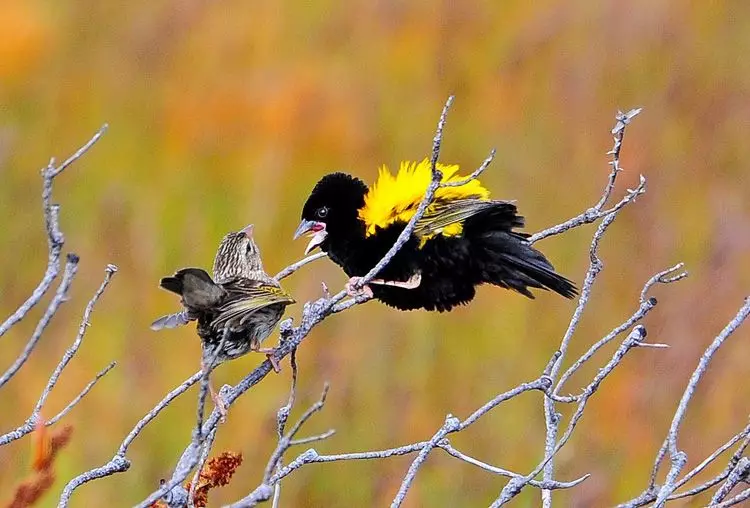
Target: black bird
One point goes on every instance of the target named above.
(463, 240)
(240, 299)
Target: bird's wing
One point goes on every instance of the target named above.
(172, 320)
(246, 297)
(443, 214)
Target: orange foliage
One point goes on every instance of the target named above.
(45, 447)
(217, 472)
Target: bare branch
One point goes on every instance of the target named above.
(597, 211)
(119, 462)
(646, 305)
(445, 445)
(82, 393)
(476, 174)
(738, 474)
(289, 270)
(739, 498)
(55, 238)
(207, 445)
(61, 295)
(32, 421)
(452, 424)
(73, 349)
(551, 417)
(744, 436)
(678, 457)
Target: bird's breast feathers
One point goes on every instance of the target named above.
(395, 198)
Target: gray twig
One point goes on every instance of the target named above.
(55, 241)
(61, 295)
(679, 458)
(270, 487)
(120, 462)
(55, 238)
(597, 211)
(738, 474)
(286, 272)
(661, 494)
(551, 417)
(205, 450)
(744, 436)
(646, 305)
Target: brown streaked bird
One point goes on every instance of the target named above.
(240, 300)
(463, 240)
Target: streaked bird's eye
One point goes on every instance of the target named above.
(322, 212)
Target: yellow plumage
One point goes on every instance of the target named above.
(396, 198)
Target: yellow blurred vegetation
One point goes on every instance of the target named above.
(226, 113)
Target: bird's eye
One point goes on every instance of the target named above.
(249, 247)
(322, 212)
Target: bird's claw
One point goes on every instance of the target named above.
(274, 363)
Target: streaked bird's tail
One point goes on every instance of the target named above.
(171, 321)
(198, 293)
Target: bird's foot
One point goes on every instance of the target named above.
(355, 292)
(270, 353)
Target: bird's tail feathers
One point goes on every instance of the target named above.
(198, 279)
(172, 284)
(171, 321)
(517, 265)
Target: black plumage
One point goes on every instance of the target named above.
(486, 250)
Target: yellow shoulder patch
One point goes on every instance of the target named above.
(396, 198)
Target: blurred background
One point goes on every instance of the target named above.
(226, 113)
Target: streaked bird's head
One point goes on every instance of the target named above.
(332, 209)
(238, 256)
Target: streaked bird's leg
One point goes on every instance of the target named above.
(218, 401)
(268, 351)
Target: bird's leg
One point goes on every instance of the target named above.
(412, 282)
(365, 290)
(268, 351)
(218, 401)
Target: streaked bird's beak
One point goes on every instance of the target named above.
(248, 230)
(316, 229)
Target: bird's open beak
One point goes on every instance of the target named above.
(316, 229)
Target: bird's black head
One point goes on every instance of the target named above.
(332, 210)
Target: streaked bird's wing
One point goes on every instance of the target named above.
(172, 321)
(247, 297)
(442, 214)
